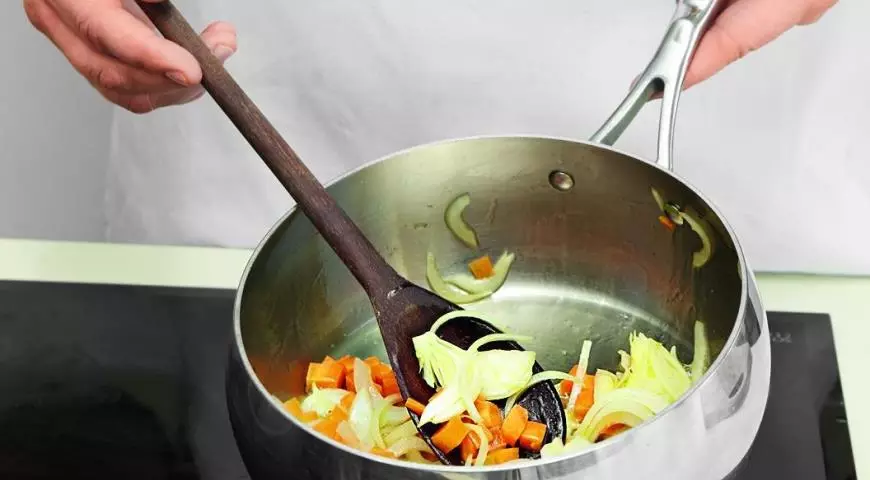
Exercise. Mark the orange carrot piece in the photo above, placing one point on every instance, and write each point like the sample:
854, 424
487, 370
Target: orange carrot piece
311, 375
612, 430
294, 406
330, 375
347, 361
414, 406
490, 413
514, 424
450, 435
497, 441
372, 361
532, 438
468, 448
390, 384
481, 267
586, 398
565, 386
346, 402
502, 455
380, 371
667, 222
327, 427
308, 417
328, 360
348, 382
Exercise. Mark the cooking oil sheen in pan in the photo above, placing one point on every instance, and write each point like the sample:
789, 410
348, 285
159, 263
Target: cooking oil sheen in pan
558, 319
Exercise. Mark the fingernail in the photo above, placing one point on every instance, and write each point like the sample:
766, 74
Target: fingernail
222, 52
178, 78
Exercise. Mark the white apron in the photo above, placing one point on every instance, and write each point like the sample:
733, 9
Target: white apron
777, 140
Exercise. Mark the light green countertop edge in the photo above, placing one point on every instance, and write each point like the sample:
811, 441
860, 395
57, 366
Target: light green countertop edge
846, 299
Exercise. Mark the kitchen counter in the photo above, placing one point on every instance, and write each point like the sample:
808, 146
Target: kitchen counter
846, 299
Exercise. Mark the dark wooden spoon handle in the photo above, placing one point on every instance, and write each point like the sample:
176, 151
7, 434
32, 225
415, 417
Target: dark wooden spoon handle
354, 249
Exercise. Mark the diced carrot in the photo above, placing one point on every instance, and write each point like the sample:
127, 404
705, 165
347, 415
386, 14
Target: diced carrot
329, 375
566, 385
490, 413
450, 435
667, 222
481, 267
586, 398
327, 427
347, 401
468, 447
414, 406
390, 384
372, 361
429, 456
294, 406
379, 371
348, 382
612, 430
311, 375
502, 455
532, 438
497, 441
514, 424
340, 415
383, 452
308, 417
347, 361
328, 360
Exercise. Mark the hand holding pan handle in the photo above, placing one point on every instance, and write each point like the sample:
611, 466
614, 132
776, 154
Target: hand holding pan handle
664, 74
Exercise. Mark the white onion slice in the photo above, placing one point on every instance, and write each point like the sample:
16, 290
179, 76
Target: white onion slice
455, 222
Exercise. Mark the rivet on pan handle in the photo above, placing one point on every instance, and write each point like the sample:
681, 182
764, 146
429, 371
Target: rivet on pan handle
664, 74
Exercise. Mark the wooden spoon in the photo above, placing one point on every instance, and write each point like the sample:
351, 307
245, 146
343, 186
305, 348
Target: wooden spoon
403, 310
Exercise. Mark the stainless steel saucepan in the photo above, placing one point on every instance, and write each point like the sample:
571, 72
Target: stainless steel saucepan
593, 262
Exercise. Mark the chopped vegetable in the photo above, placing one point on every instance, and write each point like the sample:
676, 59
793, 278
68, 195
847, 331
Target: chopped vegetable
658, 198
478, 435
481, 267
582, 366
532, 438
667, 222
450, 292
414, 406
654, 369
538, 378
514, 424
327, 427
624, 405
490, 414
502, 455
488, 285
450, 435
323, 401
586, 397
701, 359
294, 407
456, 224
507, 372
605, 382
702, 256
329, 374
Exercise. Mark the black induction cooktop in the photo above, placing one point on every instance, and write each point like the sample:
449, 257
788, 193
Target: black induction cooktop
124, 382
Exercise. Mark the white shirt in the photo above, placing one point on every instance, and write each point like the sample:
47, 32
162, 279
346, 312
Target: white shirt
777, 140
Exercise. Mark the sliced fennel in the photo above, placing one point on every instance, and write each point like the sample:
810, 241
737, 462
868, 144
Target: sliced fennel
582, 366
439, 360
557, 449
456, 224
701, 359
654, 369
323, 401
658, 198
362, 417
407, 429
487, 285
507, 372
448, 291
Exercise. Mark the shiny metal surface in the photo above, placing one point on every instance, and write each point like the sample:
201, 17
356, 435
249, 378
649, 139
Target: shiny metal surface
593, 262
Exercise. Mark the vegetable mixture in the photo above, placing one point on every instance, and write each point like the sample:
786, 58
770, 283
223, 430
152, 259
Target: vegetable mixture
357, 402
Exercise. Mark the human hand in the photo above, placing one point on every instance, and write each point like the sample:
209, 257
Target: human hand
747, 25
117, 49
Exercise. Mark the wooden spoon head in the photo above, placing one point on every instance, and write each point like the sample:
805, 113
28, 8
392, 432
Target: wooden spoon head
410, 311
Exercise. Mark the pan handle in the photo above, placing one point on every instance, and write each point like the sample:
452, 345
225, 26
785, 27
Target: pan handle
664, 74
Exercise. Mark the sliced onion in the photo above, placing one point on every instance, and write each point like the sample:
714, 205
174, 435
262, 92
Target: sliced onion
538, 378
348, 437
407, 429
489, 284
605, 382
447, 291
414, 456
484, 444
702, 256
393, 416
701, 359
455, 222
409, 444
657, 198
